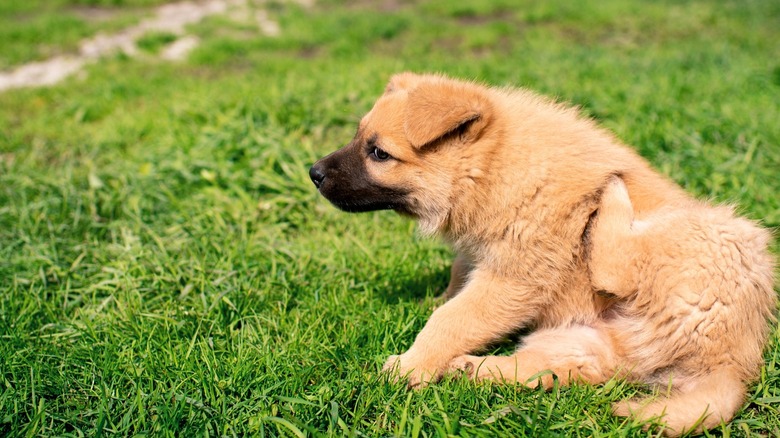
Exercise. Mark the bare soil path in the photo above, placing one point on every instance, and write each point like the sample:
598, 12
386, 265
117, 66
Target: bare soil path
170, 18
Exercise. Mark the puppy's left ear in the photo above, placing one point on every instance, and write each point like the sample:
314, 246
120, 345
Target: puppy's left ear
404, 81
437, 108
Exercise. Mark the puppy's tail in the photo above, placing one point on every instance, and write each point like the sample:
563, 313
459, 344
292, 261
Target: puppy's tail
702, 404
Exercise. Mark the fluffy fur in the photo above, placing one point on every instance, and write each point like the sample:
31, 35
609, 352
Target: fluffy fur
512, 180
694, 290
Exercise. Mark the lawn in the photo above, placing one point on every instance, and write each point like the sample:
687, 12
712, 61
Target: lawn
168, 269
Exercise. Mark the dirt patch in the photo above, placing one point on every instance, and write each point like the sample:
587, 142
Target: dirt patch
180, 48
41, 73
170, 18
381, 5
93, 13
266, 24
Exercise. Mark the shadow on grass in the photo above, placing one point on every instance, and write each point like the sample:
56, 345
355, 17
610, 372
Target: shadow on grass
433, 284
416, 287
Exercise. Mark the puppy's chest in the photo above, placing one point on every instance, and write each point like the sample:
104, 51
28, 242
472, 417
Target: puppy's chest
529, 253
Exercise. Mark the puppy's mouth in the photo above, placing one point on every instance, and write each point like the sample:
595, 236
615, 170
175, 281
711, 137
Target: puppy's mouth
360, 207
362, 198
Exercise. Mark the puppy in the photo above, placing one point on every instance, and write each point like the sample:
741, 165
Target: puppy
512, 180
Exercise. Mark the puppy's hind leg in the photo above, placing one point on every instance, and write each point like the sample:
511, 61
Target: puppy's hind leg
616, 211
576, 353
612, 241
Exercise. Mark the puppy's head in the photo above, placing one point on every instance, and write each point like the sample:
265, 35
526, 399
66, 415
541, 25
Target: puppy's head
409, 150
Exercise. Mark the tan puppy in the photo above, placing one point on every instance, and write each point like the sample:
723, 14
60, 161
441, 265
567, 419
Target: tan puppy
695, 291
512, 181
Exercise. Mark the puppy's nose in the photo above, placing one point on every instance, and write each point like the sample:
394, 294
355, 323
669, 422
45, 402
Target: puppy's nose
317, 175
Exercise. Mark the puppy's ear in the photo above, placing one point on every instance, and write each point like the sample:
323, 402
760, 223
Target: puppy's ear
404, 81
437, 108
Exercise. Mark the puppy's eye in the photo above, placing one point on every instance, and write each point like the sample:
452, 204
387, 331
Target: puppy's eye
379, 154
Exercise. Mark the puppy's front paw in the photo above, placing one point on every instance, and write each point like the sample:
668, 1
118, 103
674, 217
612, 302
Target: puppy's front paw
391, 366
416, 373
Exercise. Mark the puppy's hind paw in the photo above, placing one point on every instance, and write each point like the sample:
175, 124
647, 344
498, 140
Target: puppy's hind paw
465, 365
626, 408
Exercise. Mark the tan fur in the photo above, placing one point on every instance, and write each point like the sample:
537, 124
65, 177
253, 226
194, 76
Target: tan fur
511, 180
696, 290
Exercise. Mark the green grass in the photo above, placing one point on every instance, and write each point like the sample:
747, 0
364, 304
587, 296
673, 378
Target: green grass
153, 42
166, 267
